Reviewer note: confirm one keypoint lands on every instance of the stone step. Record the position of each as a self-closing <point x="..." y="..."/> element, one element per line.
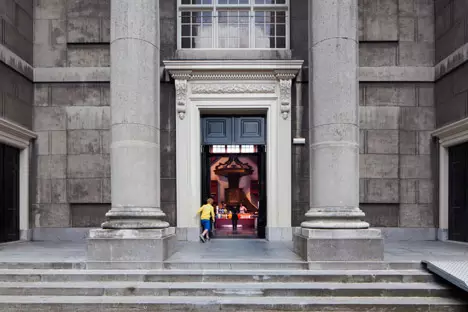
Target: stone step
<point x="225" y="289"/>
<point x="232" y="304"/>
<point x="241" y="276"/>
<point x="235" y="265"/>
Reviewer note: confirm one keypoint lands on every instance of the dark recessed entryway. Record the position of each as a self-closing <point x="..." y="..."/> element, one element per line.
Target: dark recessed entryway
<point x="9" y="193"/>
<point x="458" y="193"/>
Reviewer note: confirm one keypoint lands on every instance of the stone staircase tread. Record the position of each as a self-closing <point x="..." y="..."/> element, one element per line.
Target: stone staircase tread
<point x="195" y="300"/>
<point x="210" y="272"/>
<point x="218" y="285"/>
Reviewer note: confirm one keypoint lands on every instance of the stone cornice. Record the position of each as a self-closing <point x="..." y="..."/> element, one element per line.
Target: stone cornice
<point x="16" y="135"/>
<point x="16" y="62"/>
<point x="453" y="133"/>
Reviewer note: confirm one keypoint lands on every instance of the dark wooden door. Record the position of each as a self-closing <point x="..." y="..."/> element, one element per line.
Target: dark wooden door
<point x="262" y="209"/>
<point x="9" y="193"/>
<point x="236" y="130"/>
<point x="458" y="193"/>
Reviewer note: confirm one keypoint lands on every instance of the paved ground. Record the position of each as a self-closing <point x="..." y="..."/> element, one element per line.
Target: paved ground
<point x="228" y="249"/>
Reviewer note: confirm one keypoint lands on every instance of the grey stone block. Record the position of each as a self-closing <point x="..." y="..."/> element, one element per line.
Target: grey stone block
<point x="106" y="190"/>
<point x="51" y="215"/>
<point x="58" y="191"/>
<point x="416" y="54"/>
<point x="426" y="29"/>
<point x="41" y="95"/>
<point x="408" y="191"/>
<point x="417" y="118"/>
<point x="379" y="117"/>
<point x="60" y="234"/>
<point x="58" y="142"/>
<point x="382" y="141"/>
<point x="416" y="215"/>
<point x="46" y="55"/>
<point x="379" y="19"/>
<point x="88" y="166"/>
<point x="50" y="9"/>
<point x="148" y="248"/>
<point x="376" y="54"/>
<point x="426" y="95"/>
<point x="105" y="30"/>
<point x="424" y="142"/>
<point x="43" y="191"/>
<point x="84" y="142"/>
<point x="84" y="30"/>
<point x="105" y="141"/>
<point x="86" y="8"/>
<point x="425" y="191"/>
<point x="88" y="118"/>
<point x="88" y="215"/>
<point x="51" y="167"/>
<point x="382" y="191"/>
<point x="409" y="234"/>
<point x="339" y="245"/>
<point x="408" y="142"/>
<point x="88" y="56"/>
<point x="415" y="167"/>
<point x="388" y="94"/>
<point x="85" y="190"/>
<point x="381" y="215"/>
<point x="42" y="142"/>
<point x="378" y="166"/>
<point x="406" y="28"/>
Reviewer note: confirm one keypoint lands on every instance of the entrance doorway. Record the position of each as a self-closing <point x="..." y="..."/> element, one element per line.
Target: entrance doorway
<point x="9" y="193"/>
<point x="458" y="193"/>
<point x="234" y="175"/>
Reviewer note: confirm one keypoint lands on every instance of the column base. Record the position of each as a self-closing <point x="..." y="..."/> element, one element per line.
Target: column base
<point x="129" y="249"/>
<point x="339" y="244"/>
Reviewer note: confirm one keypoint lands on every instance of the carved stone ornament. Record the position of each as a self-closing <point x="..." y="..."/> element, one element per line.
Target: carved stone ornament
<point x="285" y="97"/>
<point x="232" y="88"/>
<point x="181" y="97"/>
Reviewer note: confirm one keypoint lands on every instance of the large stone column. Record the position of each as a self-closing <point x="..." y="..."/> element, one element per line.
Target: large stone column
<point x="134" y="231"/>
<point x="334" y="215"/>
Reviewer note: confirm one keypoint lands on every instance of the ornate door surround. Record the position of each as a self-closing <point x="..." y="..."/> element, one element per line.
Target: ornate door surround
<point x="225" y="87"/>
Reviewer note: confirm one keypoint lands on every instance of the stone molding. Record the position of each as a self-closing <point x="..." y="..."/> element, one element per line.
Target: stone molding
<point x="452" y="134"/>
<point x="232" y="88"/>
<point x="15" y="135"/>
<point x="452" y="62"/>
<point x="181" y="97"/>
<point x="17" y="63"/>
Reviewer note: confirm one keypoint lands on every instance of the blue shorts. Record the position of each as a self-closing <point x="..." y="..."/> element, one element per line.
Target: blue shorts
<point x="206" y="224"/>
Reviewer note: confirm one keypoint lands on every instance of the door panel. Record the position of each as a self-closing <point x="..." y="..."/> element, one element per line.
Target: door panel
<point x="9" y="193"/>
<point x="458" y="193"/>
<point x="217" y="130"/>
<point x="249" y="130"/>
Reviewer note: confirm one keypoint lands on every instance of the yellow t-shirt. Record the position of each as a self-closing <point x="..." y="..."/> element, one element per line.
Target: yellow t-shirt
<point x="206" y="211"/>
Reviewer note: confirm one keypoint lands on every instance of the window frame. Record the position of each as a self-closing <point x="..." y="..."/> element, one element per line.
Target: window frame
<point x="214" y="7"/>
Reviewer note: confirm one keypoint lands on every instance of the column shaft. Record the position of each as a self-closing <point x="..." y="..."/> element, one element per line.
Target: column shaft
<point x="135" y="148"/>
<point x="334" y="128"/>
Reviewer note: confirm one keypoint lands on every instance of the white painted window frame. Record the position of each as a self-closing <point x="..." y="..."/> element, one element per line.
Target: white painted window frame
<point x="19" y="137"/>
<point x="215" y="7"/>
<point x="450" y="135"/>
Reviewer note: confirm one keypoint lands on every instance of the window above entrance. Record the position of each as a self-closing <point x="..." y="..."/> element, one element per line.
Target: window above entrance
<point x="233" y="149"/>
<point x="233" y="24"/>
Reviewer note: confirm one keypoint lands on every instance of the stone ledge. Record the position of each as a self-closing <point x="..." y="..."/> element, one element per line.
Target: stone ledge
<point x="396" y="74"/>
<point x="452" y="62"/>
<point x="72" y="74"/>
<point x="16" y="62"/>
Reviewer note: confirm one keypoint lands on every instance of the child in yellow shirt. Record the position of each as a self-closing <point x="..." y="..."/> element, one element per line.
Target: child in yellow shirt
<point x="206" y="213"/>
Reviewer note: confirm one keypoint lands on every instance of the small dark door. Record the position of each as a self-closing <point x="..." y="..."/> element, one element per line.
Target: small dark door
<point x="9" y="193"/>
<point x="205" y="174"/>
<point x="458" y="193"/>
<point x="262" y="209"/>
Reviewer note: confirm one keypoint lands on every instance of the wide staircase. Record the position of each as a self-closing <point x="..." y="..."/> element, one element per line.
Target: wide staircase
<point x="228" y="286"/>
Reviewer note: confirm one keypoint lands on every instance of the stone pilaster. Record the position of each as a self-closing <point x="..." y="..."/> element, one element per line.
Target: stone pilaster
<point x="135" y="148"/>
<point x="334" y="229"/>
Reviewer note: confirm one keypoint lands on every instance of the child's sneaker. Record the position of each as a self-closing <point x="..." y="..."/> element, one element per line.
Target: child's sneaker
<point x="202" y="238"/>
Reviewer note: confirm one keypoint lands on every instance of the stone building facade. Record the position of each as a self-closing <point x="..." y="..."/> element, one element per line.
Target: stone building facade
<point x="55" y="84"/>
